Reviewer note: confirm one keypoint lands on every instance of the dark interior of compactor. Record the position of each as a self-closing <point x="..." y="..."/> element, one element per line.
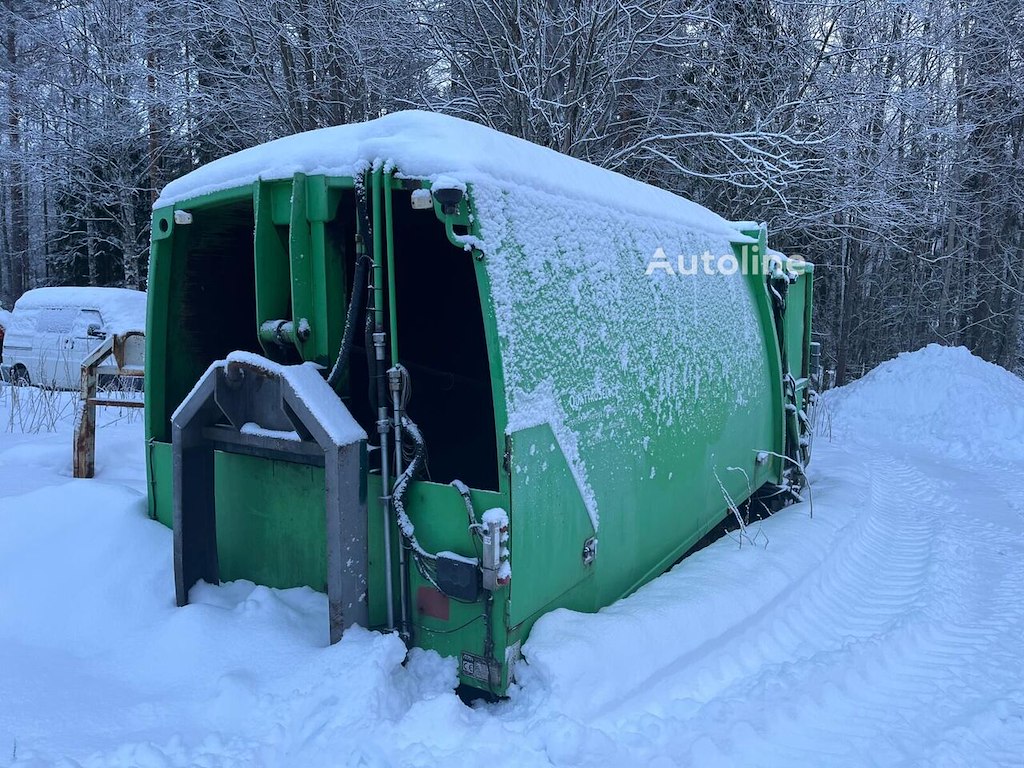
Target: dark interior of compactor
<point x="441" y="342"/>
<point x="440" y="327"/>
<point x="218" y="308"/>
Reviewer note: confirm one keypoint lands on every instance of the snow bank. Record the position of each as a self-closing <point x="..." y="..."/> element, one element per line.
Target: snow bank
<point x="98" y="662"/>
<point x="123" y="309"/>
<point x="942" y="399"/>
<point x="445" y="149"/>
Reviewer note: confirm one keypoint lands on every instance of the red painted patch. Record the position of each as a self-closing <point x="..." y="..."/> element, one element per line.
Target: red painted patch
<point x="433" y="603"/>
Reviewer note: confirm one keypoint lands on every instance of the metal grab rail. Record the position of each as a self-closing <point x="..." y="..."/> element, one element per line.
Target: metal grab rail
<point x="84" y="449"/>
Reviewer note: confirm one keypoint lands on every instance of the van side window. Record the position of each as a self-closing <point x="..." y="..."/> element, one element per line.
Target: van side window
<point x="56" y="320"/>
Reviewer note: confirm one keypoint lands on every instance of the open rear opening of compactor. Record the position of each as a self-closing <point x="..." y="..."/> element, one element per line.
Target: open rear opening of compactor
<point x="258" y="482"/>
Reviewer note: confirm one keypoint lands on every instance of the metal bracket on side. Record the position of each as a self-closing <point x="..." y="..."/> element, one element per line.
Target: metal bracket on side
<point x="247" y="404"/>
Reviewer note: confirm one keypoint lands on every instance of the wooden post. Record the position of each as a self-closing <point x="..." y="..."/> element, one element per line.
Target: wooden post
<point x="84" y="452"/>
<point x="84" y="458"/>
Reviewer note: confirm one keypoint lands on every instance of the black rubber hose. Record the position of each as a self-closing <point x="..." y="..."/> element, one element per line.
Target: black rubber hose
<point x="355" y="309"/>
<point x="356" y="299"/>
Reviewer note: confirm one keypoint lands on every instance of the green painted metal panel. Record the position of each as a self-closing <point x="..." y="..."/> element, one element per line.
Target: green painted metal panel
<point x="659" y="394"/>
<point x="328" y="288"/>
<point x="168" y="368"/>
<point x="281" y="202"/>
<point x="550" y="524"/>
<point x="270" y="240"/>
<point x="301" y="259"/>
<point x="300" y="274"/>
<point x="441" y="520"/>
<point x="796" y="333"/>
<point x="157" y="311"/>
<point x="158" y="467"/>
<point x="270" y="521"/>
<point x="772" y="406"/>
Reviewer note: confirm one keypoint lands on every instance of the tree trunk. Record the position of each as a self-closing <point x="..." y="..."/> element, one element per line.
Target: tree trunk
<point x="17" y="266"/>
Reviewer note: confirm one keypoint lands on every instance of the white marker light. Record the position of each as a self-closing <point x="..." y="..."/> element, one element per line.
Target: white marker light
<point x="422" y="199"/>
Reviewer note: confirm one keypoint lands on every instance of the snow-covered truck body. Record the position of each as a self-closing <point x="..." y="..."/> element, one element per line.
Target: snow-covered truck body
<point x="563" y="379"/>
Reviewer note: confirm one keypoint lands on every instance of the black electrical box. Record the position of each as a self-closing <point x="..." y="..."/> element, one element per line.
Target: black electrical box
<point x="458" y="577"/>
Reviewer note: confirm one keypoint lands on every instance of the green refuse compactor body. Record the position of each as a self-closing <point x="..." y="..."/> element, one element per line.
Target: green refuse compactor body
<point x="457" y="380"/>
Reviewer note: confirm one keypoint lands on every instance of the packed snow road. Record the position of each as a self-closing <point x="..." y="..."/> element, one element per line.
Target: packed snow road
<point x="886" y="629"/>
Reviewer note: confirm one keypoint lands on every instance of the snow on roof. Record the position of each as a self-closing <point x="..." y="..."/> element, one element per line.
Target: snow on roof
<point x="439" y="147"/>
<point x="123" y="309"/>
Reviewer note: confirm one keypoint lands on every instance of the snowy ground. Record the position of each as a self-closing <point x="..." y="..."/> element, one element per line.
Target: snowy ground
<point x="886" y="630"/>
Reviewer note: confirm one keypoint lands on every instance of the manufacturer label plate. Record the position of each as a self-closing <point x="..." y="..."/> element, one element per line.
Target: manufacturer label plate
<point x="477" y="667"/>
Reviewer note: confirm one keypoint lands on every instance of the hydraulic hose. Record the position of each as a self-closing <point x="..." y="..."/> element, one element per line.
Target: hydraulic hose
<point x="356" y="298"/>
<point x="402" y="486"/>
<point x="355" y="309"/>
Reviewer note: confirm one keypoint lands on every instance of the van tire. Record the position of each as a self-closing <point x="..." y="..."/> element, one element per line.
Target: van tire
<point x="20" y="377"/>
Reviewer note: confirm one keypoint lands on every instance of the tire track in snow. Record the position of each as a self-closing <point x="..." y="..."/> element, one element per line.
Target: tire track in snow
<point x="833" y="608"/>
<point x="784" y="626"/>
<point x="902" y="635"/>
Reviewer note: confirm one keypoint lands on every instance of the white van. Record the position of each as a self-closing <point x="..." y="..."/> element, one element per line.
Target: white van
<point x="52" y="330"/>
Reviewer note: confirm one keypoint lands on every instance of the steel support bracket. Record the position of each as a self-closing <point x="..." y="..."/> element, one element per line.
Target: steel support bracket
<point x="295" y="412"/>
